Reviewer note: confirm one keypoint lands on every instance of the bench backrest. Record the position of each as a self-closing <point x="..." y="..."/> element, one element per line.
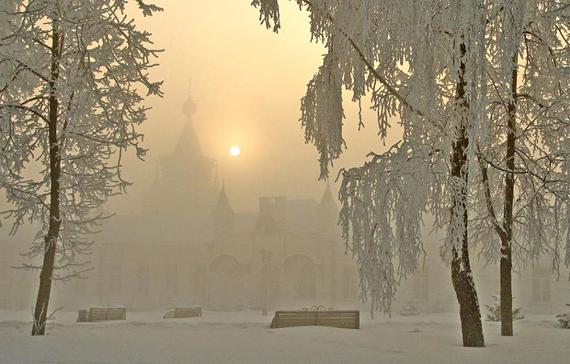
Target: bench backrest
<point x="105" y="314"/>
<point x="342" y="319"/>
<point x="182" y="312"/>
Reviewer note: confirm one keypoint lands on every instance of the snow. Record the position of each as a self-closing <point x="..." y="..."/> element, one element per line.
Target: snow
<point x="245" y="337"/>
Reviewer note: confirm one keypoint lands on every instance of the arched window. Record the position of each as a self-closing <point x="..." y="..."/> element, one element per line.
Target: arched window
<point x="301" y="277"/>
<point x="225" y="283"/>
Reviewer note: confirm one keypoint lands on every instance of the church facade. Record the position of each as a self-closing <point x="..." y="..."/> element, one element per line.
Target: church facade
<point x="189" y="247"/>
<point x="281" y="256"/>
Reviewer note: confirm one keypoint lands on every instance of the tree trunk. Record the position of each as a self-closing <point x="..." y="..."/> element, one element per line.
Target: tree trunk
<point x="50" y="240"/>
<point x="506" y="246"/>
<point x="461" y="273"/>
<point x="469" y="313"/>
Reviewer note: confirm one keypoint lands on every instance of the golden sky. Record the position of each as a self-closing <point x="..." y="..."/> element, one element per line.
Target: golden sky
<point x="247" y="83"/>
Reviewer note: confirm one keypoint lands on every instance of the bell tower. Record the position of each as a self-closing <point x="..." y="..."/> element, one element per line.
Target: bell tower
<point x="184" y="185"/>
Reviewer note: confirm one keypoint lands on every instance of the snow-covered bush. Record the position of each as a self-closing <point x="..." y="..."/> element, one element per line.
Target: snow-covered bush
<point x="564" y="320"/>
<point x="494" y="312"/>
<point x="439" y="307"/>
<point x="409" y="309"/>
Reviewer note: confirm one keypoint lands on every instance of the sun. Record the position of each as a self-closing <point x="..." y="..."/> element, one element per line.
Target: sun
<point x="235" y="151"/>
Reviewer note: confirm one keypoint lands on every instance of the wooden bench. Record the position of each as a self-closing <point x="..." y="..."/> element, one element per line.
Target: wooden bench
<point x="184" y="312"/>
<point x="102" y="314"/>
<point x="341" y="319"/>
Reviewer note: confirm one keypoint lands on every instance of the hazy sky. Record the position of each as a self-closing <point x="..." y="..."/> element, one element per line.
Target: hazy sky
<point x="247" y="83"/>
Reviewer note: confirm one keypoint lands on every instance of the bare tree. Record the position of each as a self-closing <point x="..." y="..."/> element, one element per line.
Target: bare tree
<point x="70" y="106"/>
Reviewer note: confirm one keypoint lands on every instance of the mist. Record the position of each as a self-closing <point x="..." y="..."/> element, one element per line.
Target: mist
<point x="360" y="186"/>
<point x="246" y="84"/>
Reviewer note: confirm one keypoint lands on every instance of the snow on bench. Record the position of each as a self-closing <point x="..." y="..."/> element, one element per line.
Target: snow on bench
<point x="183" y="312"/>
<point x="340" y="319"/>
<point x="102" y="314"/>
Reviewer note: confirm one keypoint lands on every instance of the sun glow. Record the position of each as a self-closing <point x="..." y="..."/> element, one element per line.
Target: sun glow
<point x="235" y="151"/>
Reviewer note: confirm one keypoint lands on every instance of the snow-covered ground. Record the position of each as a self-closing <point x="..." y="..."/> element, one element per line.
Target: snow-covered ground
<point x="245" y="337"/>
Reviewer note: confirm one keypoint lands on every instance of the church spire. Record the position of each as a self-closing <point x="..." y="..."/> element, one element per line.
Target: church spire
<point x="327" y="210"/>
<point x="223" y="200"/>
<point x="188" y="143"/>
<point x="223" y="212"/>
<point x="189" y="107"/>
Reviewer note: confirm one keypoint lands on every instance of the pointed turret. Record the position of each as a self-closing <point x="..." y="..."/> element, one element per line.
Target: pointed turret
<point x="327" y="212"/>
<point x="189" y="107"/>
<point x="223" y="212"/>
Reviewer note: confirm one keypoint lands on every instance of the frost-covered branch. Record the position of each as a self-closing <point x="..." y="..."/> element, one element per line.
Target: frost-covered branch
<point x="73" y="77"/>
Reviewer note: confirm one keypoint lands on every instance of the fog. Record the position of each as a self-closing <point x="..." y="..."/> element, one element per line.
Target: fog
<point x="228" y="248"/>
<point x="247" y="83"/>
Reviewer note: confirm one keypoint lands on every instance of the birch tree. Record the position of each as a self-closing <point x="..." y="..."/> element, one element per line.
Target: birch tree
<point x="523" y="196"/>
<point x="423" y="62"/>
<point x="382" y="201"/>
<point x="71" y="102"/>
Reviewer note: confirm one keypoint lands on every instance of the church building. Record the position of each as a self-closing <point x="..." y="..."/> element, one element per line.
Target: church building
<point x="188" y="246"/>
